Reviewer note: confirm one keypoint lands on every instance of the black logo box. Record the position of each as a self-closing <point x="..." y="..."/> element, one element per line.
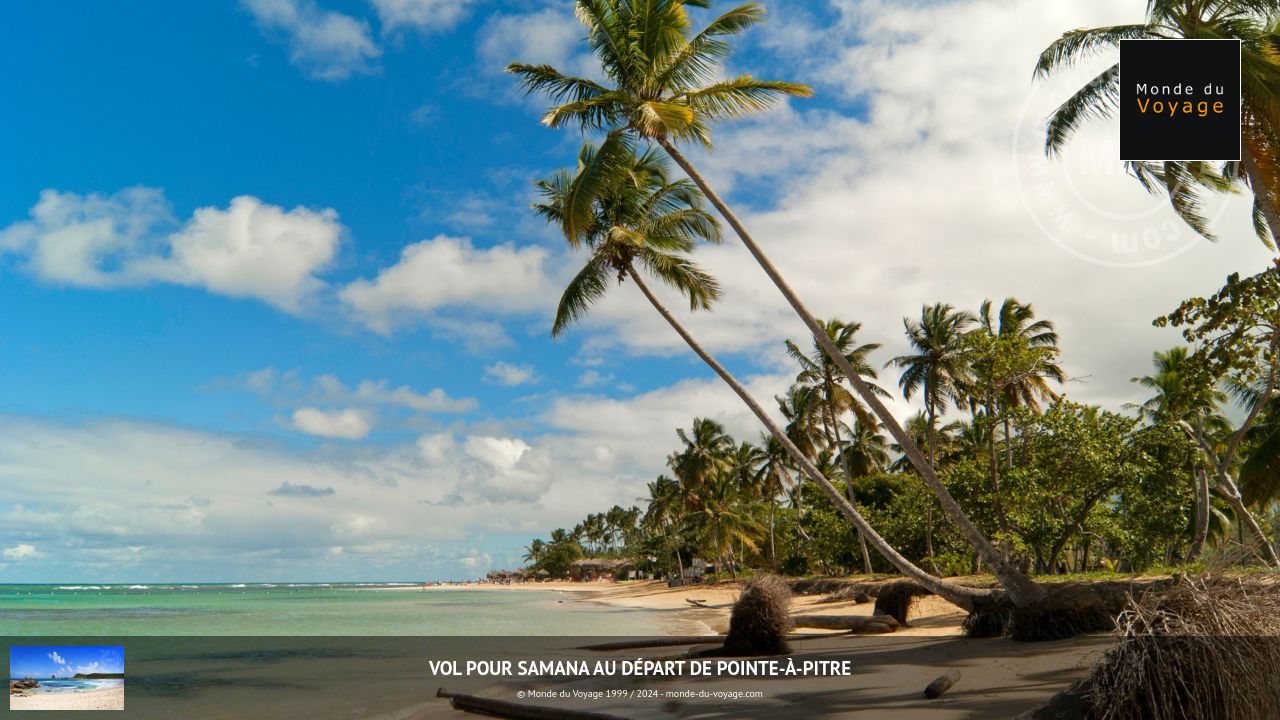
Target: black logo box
<point x="1189" y="65"/>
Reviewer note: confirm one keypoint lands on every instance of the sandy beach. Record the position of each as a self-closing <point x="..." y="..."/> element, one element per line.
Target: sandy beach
<point x="108" y="698"/>
<point x="1000" y="678"/>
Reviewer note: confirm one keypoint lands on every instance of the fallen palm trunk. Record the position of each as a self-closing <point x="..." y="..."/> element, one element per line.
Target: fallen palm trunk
<point x="518" y="711"/>
<point x="852" y="623"/>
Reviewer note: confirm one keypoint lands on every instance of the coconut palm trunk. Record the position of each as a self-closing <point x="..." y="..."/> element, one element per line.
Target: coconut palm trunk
<point x="962" y="596"/>
<point x="1022" y="591"/>
<point x="1201" y="530"/>
<point x="1260" y="191"/>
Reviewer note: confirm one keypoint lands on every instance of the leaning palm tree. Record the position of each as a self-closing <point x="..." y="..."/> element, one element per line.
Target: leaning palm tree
<point x="937" y="366"/>
<point x="1245" y="20"/>
<point x="642" y="218"/>
<point x="663" y="87"/>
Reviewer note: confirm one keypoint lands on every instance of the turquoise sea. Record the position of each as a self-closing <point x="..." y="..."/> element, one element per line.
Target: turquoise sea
<point x="307" y="609"/>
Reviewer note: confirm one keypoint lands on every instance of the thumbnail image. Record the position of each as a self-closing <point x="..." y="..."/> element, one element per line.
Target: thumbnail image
<point x="66" y="677"/>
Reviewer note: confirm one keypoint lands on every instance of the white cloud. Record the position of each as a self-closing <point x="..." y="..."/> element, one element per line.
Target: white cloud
<point x="423" y="15"/>
<point x="248" y="250"/>
<point x="350" y="424"/>
<point x="919" y="201"/>
<point x="551" y="36"/>
<point x="411" y="510"/>
<point x="252" y="250"/>
<point x="449" y="272"/>
<point x="508" y="374"/>
<point x="56" y="658"/>
<point x="325" y="44"/>
<point x="22" y="551"/>
<point x="290" y="388"/>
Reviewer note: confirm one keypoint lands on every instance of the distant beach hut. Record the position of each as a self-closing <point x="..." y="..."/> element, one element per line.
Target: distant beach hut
<point x="590" y="569"/>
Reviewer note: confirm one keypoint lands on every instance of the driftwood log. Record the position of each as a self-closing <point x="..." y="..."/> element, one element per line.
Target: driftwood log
<point x="852" y="623"/>
<point x="942" y="684"/>
<point x="518" y="711"/>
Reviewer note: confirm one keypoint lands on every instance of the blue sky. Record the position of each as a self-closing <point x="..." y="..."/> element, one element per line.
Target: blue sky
<point x="43" y="661"/>
<point x="276" y="308"/>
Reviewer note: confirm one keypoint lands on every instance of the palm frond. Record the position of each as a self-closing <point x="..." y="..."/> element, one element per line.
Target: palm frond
<point x="741" y="96"/>
<point x="588" y="286"/>
<point x="1098" y="99"/>
<point x="695" y="63"/>
<point x="683" y="274"/>
<point x="597" y="173"/>
<point x="547" y="80"/>
<point x="1082" y="42"/>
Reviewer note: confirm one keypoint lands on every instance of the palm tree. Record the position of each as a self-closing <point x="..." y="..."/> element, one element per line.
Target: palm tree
<point x="1176" y="400"/>
<point x="819" y="372"/>
<point x="1016" y="322"/>
<point x="1245" y="20"/>
<point x="535" y="552"/>
<point x="727" y="518"/>
<point x="772" y="477"/>
<point x="663" y="87"/>
<point x="707" y="451"/>
<point x="937" y="368"/>
<point x="666" y="513"/>
<point x="632" y="225"/>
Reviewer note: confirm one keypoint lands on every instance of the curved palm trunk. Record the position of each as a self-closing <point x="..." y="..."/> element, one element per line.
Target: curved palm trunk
<point x="1021" y="589"/>
<point x="1269" y="211"/>
<point x="1201" y="532"/>
<point x="1228" y="490"/>
<point x="957" y="594"/>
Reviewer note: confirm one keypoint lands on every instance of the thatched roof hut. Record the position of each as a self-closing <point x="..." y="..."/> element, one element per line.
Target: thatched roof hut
<point x="599" y="566"/>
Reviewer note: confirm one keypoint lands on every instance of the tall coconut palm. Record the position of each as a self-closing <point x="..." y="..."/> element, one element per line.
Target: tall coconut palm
<point x="535" y="551"/>
<point x="1016" y="323"/>
<point x="834" y="400"/>
<point x="663" y="86"/>
<point x="1178" y="400"/>
<point x="707" y="451"/>
<point x="665" y="513"/>
<point x="937" y="367"/>
<point x="631" y="227"/>
<point x="1245" y="20"/>
<point x="727" y="519"/>
<point x="772" y="478"/>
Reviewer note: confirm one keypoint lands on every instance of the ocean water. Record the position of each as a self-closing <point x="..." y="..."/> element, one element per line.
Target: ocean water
<point x="63" y="686"/>
<point x="281" y="609"/>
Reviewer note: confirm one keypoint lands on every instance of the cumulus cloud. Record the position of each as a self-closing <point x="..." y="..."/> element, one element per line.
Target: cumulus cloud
<point x="248" y="250"/>
<point x="56" y="658"/>
<point x="22" y="551"/>
<point x="288" y="489"/>
<point x="289" y="387"/>
<point x="325" y="44"/>
<point x="917" y="181"/>
<point x="408" y="510"/>
<point x="424" y="15"/>
<point x="449" y="272"/>
<point x="509" y="374"/>
<point x="549" y="36"/>
<point x="348" y="424"/>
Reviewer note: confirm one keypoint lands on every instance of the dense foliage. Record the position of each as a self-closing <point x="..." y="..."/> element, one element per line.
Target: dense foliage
<point x="1061" y="487"/>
